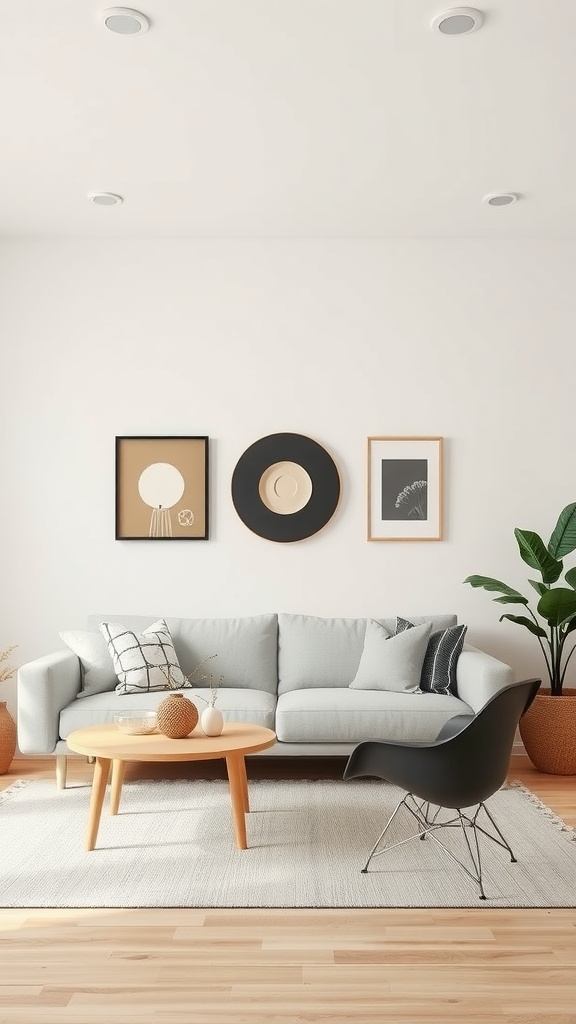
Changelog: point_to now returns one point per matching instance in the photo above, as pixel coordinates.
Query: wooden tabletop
(109, 742)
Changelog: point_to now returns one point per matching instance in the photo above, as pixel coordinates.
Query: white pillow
(143, 661)
(392, 662)
(97, 668)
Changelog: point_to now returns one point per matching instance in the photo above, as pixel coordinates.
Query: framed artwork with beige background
(405, 480)
(162, 488)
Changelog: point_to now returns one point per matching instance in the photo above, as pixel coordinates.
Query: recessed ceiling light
(105, 198)
(125, 21)
(458, 22)
(501, 198)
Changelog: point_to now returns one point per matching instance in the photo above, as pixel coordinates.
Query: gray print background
(398, 474)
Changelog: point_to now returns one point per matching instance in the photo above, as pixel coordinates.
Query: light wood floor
(291, 966)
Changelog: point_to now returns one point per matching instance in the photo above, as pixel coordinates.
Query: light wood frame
(418, 515)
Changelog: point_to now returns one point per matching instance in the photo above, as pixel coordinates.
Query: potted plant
(7, 725)
(548, 728)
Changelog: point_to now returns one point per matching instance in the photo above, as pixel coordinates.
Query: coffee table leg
(116, 787)
(101, 770)
(244, 779)
(236, 771)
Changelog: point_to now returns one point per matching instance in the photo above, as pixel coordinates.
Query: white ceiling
(287, 118)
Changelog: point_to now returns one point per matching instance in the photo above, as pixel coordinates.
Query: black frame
(159, 440)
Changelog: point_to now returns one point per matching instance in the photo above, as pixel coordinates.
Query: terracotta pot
(548, 731)
(7, 738)
(176, 716)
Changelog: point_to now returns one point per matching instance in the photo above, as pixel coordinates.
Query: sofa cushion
(314, 651)
(254, 706)
(392, 662)
(96, 665)
(246, 647)
(143, 661)
(344, 715)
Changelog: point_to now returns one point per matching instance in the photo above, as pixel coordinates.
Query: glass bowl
(136, 723)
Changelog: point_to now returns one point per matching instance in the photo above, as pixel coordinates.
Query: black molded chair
(465, 764)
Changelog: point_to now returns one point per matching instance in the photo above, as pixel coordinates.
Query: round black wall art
(285, 487)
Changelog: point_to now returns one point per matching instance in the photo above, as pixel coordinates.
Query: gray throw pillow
(392, 662)
(96, 665)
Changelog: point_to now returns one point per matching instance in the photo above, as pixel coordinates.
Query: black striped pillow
(441, 658)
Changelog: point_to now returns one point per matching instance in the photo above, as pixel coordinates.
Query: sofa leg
(61, 764)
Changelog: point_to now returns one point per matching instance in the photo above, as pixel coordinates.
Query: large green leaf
(487, 583)
(563, 539)
(536, 555)
(523, 621)
(540, 588)
(570, 578)
(557, 605)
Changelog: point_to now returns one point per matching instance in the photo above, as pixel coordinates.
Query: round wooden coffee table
(110, 746)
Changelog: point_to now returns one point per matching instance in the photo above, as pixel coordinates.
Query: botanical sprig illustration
(414, 499)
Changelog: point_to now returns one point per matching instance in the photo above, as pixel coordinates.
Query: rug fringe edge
(13, 788)
(553, 818)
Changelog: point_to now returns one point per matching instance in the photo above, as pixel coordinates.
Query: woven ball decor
(176, 716)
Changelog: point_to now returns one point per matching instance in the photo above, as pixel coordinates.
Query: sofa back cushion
(314, 651)
(246, 648)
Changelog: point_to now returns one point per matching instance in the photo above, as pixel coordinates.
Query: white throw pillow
(143, 661)
(97, 668)
(392, 662)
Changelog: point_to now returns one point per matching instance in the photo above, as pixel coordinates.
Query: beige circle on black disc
(285, 488)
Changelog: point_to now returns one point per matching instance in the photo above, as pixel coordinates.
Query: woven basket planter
(7, 738)
(548, 731)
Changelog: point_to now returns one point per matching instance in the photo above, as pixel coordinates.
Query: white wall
(337, 340)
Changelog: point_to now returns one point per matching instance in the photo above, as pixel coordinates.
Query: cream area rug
(172, 845)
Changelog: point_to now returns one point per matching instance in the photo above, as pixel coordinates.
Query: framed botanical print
(405, 488)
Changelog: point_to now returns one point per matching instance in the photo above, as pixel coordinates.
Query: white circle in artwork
(285, 488)
(161, 485)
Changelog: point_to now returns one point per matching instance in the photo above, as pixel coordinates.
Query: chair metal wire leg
(383, 832)
(427, 827)
(504, 844)
(428, 824)
(476, 861)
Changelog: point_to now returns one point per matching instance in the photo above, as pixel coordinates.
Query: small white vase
(211, 721)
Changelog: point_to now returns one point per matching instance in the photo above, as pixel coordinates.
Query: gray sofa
(288, 672)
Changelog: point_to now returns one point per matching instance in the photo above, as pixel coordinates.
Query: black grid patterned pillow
(441, 658)
(143, 661)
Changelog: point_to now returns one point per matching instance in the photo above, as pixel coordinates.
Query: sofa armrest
(45, 687)
(479, 677)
